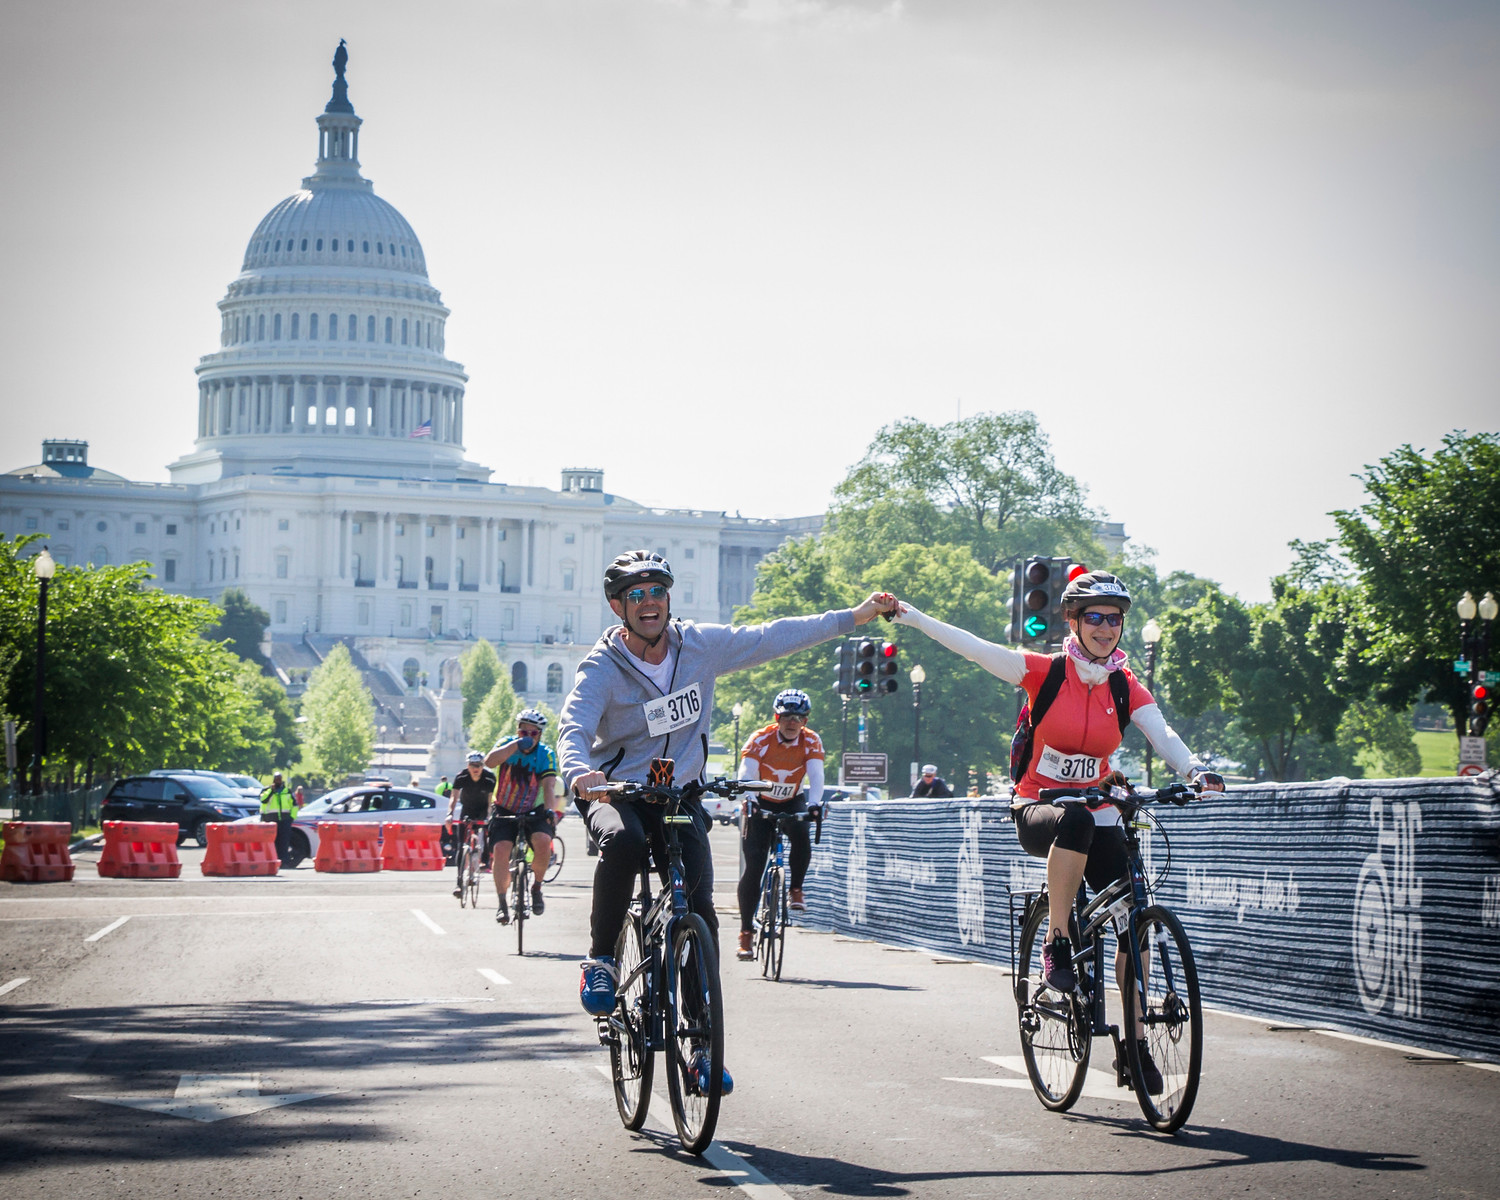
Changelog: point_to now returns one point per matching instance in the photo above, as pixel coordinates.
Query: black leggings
(622, 830)
(759, 833)
(1040, 826)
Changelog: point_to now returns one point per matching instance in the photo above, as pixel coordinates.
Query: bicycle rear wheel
(1056, 1032)
(695, 1034)
(559, 852)
(1173, 1029)
(631, 1060)
(521, 897)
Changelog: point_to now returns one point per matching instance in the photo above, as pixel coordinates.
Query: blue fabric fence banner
(1371, 906)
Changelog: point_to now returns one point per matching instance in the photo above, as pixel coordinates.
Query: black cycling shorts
(506, 827)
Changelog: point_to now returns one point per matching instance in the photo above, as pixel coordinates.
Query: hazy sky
(1228, 253)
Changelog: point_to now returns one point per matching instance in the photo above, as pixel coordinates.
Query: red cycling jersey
(1076, 736)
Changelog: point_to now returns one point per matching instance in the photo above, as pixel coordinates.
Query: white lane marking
(494, 976)
(110, 928)
(428, 921)
(212, 1098)
(723, 1159)
(14, 984)
(1099, 1084)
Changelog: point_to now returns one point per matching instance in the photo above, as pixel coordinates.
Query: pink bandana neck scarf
(1076, 652)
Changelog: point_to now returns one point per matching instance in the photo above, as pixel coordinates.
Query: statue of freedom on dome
(340, 102)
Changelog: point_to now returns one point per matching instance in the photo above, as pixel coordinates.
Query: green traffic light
(1035, 625)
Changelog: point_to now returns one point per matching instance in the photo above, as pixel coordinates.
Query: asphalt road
(362, 1034)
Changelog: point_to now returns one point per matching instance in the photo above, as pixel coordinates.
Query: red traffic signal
(887, 671)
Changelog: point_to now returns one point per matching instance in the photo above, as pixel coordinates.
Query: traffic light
(1017, 611)
(885, 673)
(1479, 709)
(864, 666)
(1039, 589)
(843, 679)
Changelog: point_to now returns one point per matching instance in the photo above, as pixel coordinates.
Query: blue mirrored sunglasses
(1113, 619)
(635, 595)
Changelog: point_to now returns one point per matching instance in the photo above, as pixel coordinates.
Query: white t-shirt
(658, 673)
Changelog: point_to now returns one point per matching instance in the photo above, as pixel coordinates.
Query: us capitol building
(329, 478)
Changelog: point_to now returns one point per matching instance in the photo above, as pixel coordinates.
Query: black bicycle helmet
(1095, 588)
(635, 567)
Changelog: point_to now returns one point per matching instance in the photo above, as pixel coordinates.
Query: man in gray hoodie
(646, 691)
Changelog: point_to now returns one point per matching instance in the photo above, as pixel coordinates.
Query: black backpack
(1029, 718)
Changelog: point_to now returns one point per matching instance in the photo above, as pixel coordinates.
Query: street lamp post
(45, 567)
(1151, 635)
(738, 710)
(918, 678)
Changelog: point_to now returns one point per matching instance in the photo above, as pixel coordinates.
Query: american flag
(423, 430)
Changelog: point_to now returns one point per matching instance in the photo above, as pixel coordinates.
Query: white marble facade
(307, 488)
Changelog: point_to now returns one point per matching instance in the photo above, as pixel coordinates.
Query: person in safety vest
(278, 805)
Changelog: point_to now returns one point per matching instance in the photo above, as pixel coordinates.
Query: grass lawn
(1439, 752)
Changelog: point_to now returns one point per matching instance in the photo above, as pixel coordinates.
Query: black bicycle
(521, 857)
(774, 914)
(1160, 1054)
(668, 997)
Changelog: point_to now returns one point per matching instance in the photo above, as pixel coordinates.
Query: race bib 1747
(1068, 768)
(677, 711)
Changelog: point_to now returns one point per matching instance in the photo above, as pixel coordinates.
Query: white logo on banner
(970, 881)
(1490, 913)
(1387, 920)
(856, 887)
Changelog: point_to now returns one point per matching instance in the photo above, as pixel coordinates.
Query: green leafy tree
(481, 668)
(987, 482)
(281, 745)
(1378, 741)
(339, 731)
(131, 683)
(1428, 531)
(243, 624)
(1273, 667)
(496, 715)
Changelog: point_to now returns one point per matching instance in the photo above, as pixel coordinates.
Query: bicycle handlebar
(630, 789)
(1179, 794)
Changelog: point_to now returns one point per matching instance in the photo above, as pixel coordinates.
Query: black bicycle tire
(1061, 1095)
(463, 876)
(766, 931)
(1168, 1112)
(778, 942)
(695, 1130)
(559, 853)
(473, 884)
(638, 1017)
(519, 873)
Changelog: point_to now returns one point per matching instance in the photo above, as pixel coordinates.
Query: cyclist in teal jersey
(527, 804)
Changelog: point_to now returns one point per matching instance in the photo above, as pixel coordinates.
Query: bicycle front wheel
(559, 852)
(778, 941)
(1056, 1032)
(464, 872)
(522, 897)
(1166, 1050)
(631, 1060)
(472, 879)
(766, 934)
(695, 1034)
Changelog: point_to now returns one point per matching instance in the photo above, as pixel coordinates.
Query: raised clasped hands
(879, 604)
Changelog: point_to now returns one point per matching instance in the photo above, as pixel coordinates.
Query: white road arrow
(212, 1098)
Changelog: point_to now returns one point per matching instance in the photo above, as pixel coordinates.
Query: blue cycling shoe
(596, 986)
(700, 1074)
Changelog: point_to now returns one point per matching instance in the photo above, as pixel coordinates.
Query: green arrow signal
(1035, 625)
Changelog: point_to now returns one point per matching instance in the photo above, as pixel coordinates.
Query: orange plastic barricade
(140, 850)
(248, 849)
(348, 847)
(412, 847)
(37, 852)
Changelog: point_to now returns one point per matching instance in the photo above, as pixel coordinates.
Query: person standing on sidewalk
(278, 805)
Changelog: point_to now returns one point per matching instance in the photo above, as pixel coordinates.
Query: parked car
(246, 785)
(191, 800)
(379, 803)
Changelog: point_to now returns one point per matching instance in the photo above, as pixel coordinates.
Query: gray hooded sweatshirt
(616, 720)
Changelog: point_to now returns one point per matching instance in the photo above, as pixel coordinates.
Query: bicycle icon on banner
(1387, 917)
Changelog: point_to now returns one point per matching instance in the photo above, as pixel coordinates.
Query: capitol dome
(332, 338)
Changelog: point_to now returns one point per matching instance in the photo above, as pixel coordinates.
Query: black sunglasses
(1113, 619)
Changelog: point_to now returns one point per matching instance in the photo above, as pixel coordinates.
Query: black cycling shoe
(1057, 965)
(1155, 1085)
(538, 905)
(502, 914)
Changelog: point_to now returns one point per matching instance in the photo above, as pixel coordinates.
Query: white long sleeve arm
(1001, 661)
(814, 782)
(749, 768)
(1164, 740)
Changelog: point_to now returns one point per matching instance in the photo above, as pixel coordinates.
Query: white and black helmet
(792, 702)
(532, 716)
(1092, 589)
(635, 567)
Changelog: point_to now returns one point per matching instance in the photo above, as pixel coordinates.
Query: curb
(83, 843)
